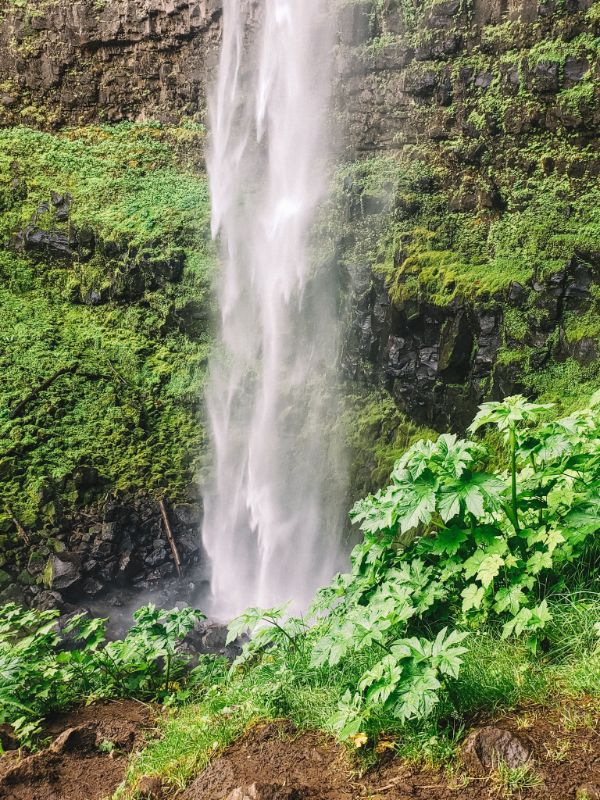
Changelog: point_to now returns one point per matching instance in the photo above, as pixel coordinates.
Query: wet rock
(62, 205)
(517, 294)
(585, 350)
(421, 84)
(45, 601)
(8, 738)
(574, 71)
(355, 23)
(486, 748)
(215, 638)
(92, 587)
(156, 557)
(484, 80)
(50, 242)
(443, 14)
(545, 77)
(64, 570)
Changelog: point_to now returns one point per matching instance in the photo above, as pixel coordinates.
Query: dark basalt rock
(110, 554)
(574, 71)
(210, 638)
(544, 77)
(65, 571)
(421, 84)
(8, 738)
(485, 749)
(443, 14)
(50, 242)
(132, 59)
(355, 23)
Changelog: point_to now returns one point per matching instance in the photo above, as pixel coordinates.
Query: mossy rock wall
(86, 61)
(465, 216)
(472, 235)
(105, 272)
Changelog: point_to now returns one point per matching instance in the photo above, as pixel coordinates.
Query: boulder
(51, 242)
(8, 738)
(484, 749)
(82, 739)
(63, 571)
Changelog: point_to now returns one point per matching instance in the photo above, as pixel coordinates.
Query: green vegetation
(377, 434)
(122, 312)
(39, 677)
(471, 592)
(433, 248)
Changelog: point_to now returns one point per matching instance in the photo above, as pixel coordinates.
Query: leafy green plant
(448, 543)
(406, 682)
(450, 546)
(38, 676)
(267, 628)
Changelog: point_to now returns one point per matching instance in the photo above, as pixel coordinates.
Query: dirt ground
(87, 759)
(277, 762)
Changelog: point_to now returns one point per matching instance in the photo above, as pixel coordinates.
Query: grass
(497, 677)
(507, 781)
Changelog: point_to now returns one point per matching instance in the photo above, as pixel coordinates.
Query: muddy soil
(87, 759)
(275, 762)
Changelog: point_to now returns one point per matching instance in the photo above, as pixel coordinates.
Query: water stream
(272, 514)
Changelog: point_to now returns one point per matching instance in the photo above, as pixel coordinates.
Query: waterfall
(272, 514)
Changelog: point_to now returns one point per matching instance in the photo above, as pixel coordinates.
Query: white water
(272, 516)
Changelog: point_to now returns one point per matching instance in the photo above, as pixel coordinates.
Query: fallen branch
(18, 525)
(170, 537)
(19, 408)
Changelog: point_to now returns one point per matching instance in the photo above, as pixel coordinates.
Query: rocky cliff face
(467, 233)
(472, 238)
(72, 63)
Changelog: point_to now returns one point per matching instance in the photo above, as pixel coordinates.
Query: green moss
(377, 433)
(126, 417)
(567, 383)
(578, 97)
(558, 50)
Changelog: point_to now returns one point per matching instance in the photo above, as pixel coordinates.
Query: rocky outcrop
(100, 557)
(64, 62)
(479, 121)
(440, 362)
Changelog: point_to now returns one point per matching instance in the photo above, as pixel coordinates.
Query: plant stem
(168, 676)
(513, 470)
(285, 633)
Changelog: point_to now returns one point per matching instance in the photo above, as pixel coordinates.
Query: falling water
(272, 515)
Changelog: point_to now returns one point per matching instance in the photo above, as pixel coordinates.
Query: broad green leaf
(472, 596)
(538, 561)
(488, 569)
